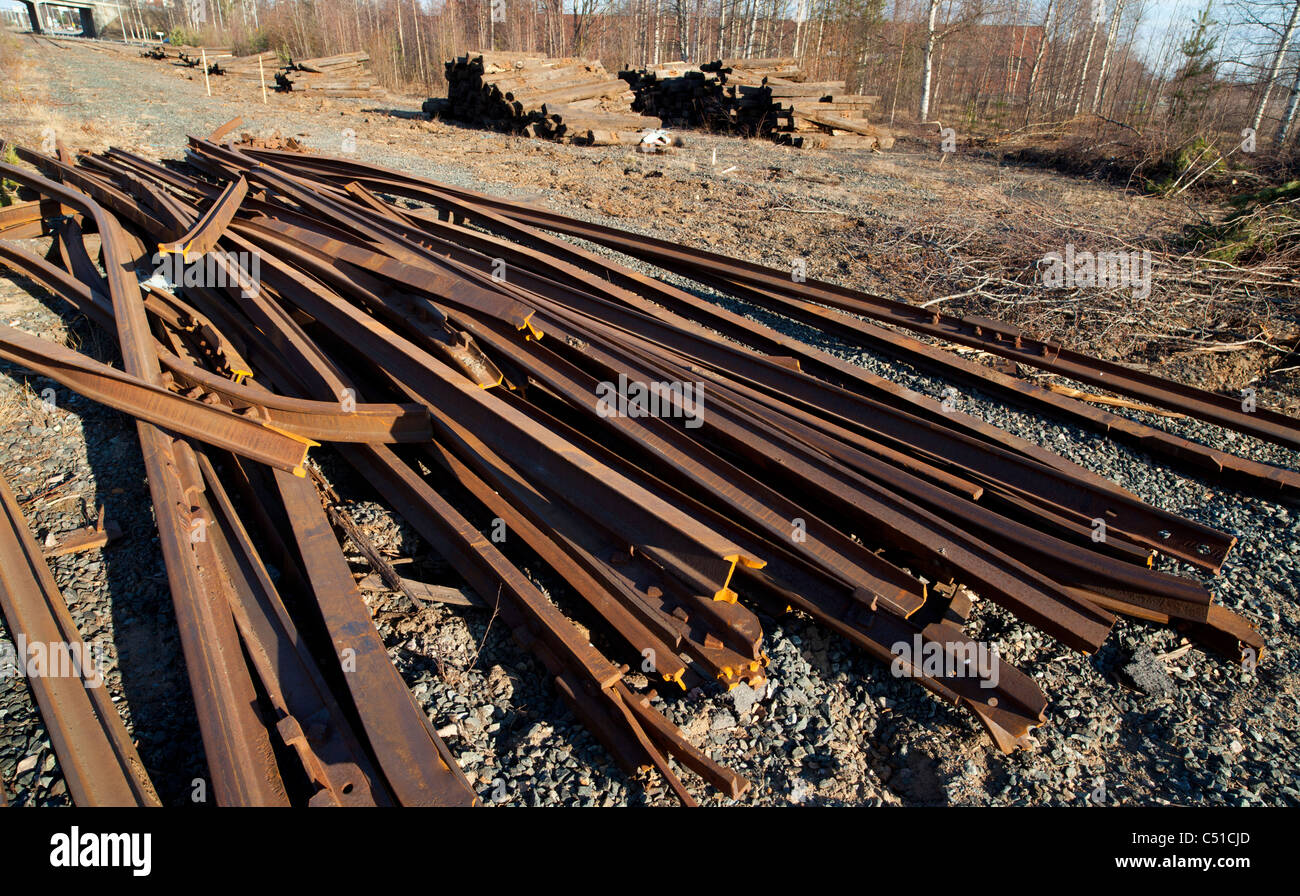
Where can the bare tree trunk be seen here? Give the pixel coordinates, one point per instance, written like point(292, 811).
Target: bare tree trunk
point(753, 27)
point(898, 76)
point(1122, 73)
point(1012, 57)
point(1111, 33)
point(1273, 71)
point(401, 42)
point(638, 30)
point(927, 68)
point(820, 31)
point(419, 44)
point(799, 16)
point(654, 53)
point(722, 28)
point(680, 8)
point(1087, 62)
point(1288, 120)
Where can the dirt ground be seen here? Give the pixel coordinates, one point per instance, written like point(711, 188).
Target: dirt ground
point(915, 224)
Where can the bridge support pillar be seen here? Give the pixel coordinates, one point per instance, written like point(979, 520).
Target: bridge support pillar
point(33, 15)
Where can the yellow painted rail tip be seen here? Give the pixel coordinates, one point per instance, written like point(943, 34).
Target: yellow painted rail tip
point(309, 443)
point(725, 593)
point(533, 332)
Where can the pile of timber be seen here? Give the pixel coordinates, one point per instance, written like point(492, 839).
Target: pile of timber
point(568, 99)
point(191, 56)
point(343, 75)
point(257, 69)
point(768, 97)
point(823, 116)
point(682, 95)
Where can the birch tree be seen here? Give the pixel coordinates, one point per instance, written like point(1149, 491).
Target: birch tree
point(935, 33)
point(1111, 33)
point(1284, 44)
point(1288, 118)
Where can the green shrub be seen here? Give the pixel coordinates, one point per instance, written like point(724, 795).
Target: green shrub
point(184, 37)
point(1174, 169)
point(1264, 224)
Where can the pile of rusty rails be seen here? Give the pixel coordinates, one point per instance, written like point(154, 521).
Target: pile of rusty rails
point(676, 465)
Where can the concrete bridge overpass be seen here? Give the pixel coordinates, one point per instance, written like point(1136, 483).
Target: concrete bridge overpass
point(93, 15)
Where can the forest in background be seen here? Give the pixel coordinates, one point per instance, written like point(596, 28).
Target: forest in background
point(979, 66)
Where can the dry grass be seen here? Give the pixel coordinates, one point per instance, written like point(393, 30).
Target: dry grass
point(11, 56)
point(21, 405)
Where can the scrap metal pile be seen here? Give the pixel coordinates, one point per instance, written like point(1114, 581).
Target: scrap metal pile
point(565, 99)
point(674, 464)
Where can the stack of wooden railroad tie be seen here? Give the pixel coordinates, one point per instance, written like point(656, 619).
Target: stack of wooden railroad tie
point(191, 56)
point(344, 75)
point(567, 99)
point(258, 69)
point(758, 97)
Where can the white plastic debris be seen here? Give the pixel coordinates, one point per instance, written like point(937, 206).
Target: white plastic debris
point(655, 140)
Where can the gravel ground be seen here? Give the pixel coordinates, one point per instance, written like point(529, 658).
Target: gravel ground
point(1153, 723)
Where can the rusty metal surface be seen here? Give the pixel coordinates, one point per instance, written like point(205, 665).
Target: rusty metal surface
point(767, 286)
point(999, 339)
point(417, 766)
point(235, 741)
point(308, 719)
point(375, 323)
point(216, 426)
point(202, 237)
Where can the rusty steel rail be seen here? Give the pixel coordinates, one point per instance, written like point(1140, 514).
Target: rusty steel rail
point(419, 768)
point(1198, 545)
point(1151, 527)
point(1199, 538)
point(319, 759)
point(992, 336)
point(315, 421)
point(1204, 553)
point(202, 237)
point(806, 484)
point(774, 289)
point(1201, 549)
point(235, 741)
point(307, 718)
point(96, 756)
point(532, 617)
point(216, 426)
